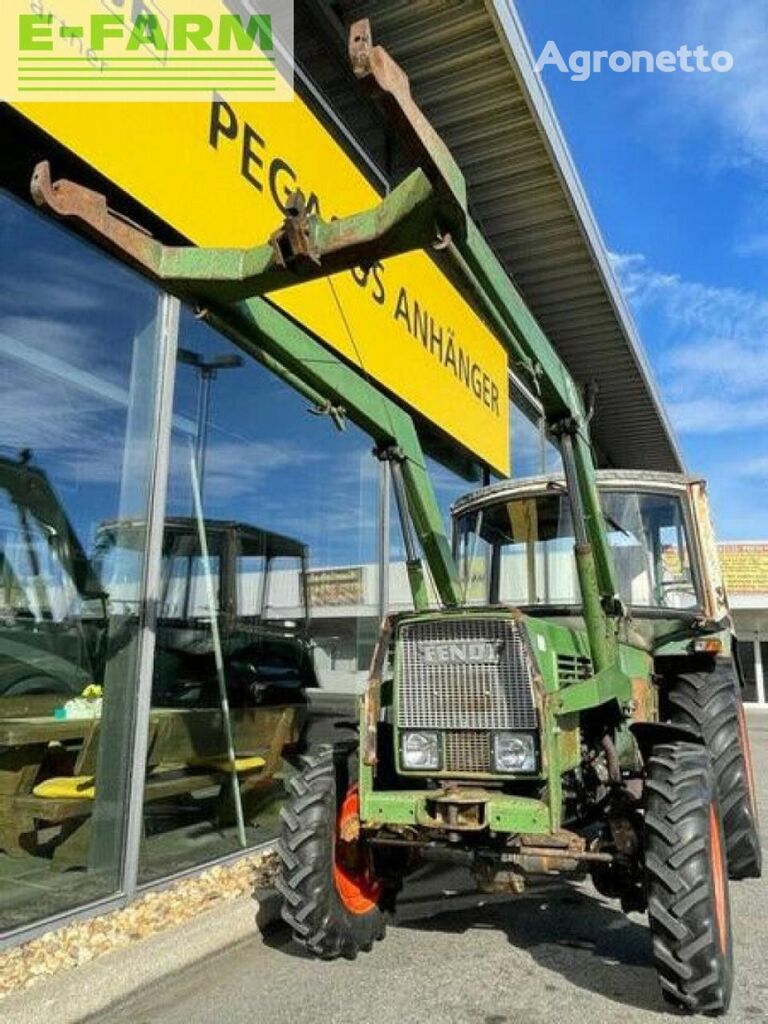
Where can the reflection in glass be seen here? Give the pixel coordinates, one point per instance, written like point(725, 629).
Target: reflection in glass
point(526, 446)
point(746, 652)
point(79, 366)
point(290, 520)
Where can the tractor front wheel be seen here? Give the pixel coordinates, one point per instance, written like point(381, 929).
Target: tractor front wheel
point(687, 880)
point(710, 702)
point(331, 897)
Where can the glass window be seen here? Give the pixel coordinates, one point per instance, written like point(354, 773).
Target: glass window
point(182, 575)
point(448, 486)
point(650, 550)
point(271, 600)
point(531, 450)
point(746, 651)
point(79, 358)
point(521, 551)
point(526, 445)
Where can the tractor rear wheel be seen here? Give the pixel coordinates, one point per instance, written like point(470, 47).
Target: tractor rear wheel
point(687, 880)
point(331, 898)
point(711, 703)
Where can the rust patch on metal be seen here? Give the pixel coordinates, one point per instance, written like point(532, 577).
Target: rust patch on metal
point(293, 242)
point(544, 855)
point(350, 829)
point(644, 700)
point(372, 696)
point(374, 66)
point(569, 741)
point(456, 808)
point(91, 214)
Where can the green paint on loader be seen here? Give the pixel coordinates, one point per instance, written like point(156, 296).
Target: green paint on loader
point(564, 712)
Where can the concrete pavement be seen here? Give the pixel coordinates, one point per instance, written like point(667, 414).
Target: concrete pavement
point(567, 955)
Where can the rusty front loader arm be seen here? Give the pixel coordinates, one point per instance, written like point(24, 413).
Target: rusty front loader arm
point(304, 248)
point(428, 210)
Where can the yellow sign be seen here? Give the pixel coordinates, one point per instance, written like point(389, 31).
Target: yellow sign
point(113, 50)
point(221, 173)
point(335, 587)
point(745, 568)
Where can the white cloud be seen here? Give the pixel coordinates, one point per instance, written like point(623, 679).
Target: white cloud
point(713, 365)
point(710, 349)
point(754, 245)
point(716, 415)
point(735, 103)
point(756, 467)
point(235, 469)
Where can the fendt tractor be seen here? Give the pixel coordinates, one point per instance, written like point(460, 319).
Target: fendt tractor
point(572, 707)
point(61, 628)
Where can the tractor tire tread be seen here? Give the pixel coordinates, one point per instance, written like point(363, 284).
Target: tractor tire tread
point(709, 702)
point(695, 973)
point(311, 906)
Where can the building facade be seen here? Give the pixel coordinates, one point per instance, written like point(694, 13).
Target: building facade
point(745, 568)
point(174, 496)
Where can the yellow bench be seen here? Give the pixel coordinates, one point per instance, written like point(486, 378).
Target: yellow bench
point(185, 755)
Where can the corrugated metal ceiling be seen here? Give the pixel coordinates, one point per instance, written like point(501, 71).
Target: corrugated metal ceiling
point(471, 71)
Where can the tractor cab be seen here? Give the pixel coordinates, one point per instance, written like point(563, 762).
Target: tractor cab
point(528, 727)
point(52, 603)
point(514, 545)
point(253, 581)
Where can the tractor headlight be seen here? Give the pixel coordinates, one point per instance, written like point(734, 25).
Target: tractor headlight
point(420, 751)
point(514, 752)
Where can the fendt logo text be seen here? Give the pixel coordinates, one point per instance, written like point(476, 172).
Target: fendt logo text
point(144, 49)
point(467, 652)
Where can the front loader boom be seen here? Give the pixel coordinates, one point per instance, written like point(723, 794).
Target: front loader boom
point(428, 210)
point(500, 734)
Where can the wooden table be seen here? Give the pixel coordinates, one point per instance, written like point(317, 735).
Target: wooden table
point(19, 732)
point(179, 742)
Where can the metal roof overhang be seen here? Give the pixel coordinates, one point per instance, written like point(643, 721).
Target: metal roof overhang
point(471, 70)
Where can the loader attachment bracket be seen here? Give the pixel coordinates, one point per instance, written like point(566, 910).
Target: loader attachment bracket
point(89, 211)
point(385, 79)
point(304, 248)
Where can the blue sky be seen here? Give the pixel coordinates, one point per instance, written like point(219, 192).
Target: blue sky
point(676, 168)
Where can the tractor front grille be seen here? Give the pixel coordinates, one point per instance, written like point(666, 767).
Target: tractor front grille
point(467, 750)
point(464, 674)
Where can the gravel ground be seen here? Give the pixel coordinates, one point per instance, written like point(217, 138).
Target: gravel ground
point(83, 942)
point(566, 955)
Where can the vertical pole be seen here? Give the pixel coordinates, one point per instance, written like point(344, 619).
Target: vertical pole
point(759, 674)
point(593, 516)
point(542, 445)
point(217, 652)
point(207, 378)
point(199, 408)
point(413, 562)
point(384, 530)
point(151, 582)
point(204, 377)
point(604, 653)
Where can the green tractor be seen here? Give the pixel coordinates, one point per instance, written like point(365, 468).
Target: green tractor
point(571, 707)
point(488, 739)
point(64, 615)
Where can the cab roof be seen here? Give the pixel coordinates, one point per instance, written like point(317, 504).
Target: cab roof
point(607, 479)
